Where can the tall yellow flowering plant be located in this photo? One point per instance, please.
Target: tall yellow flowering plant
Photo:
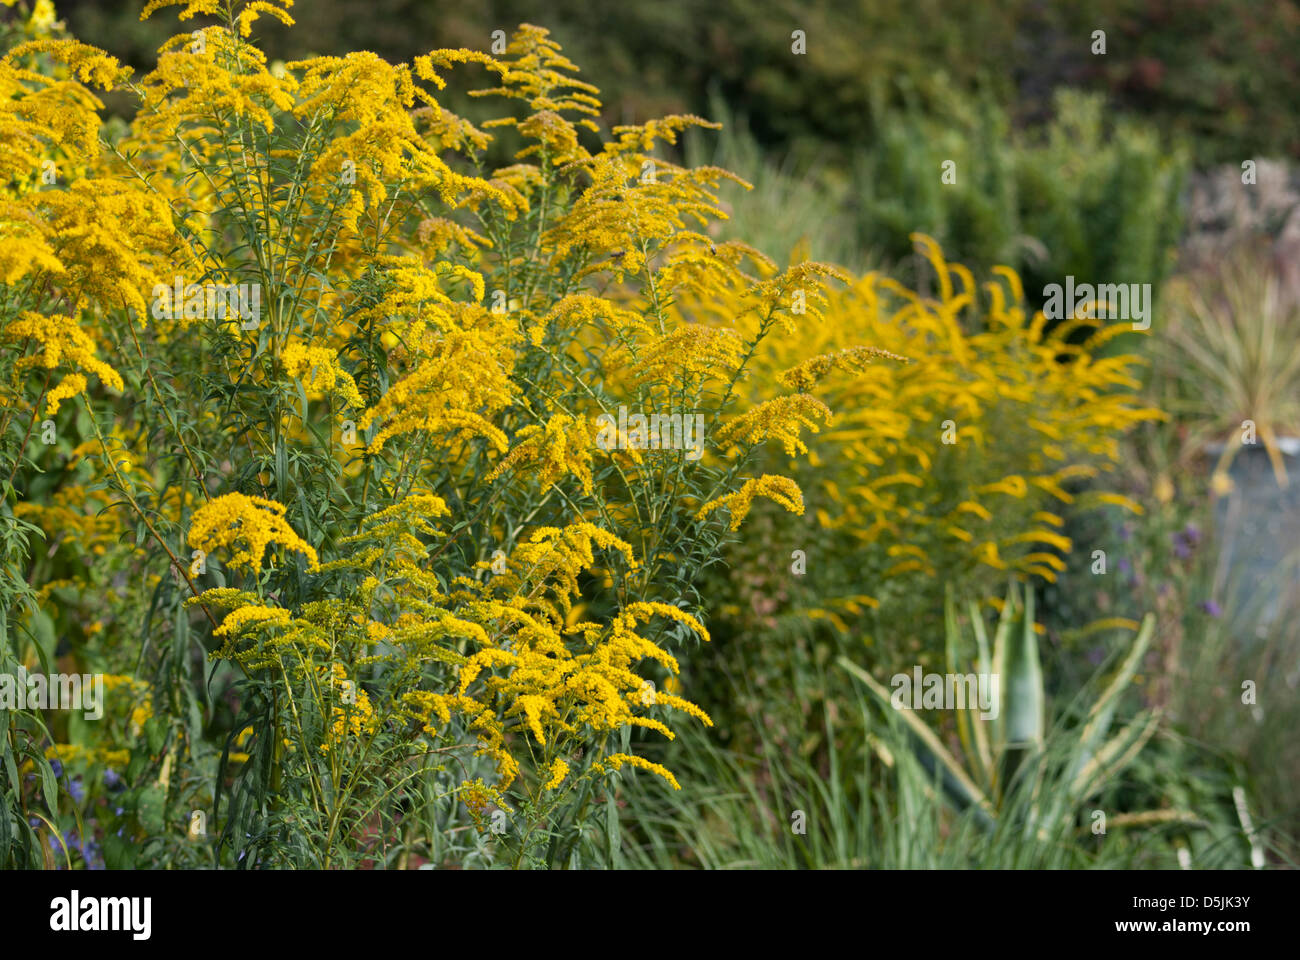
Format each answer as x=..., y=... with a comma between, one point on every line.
x=957, y=467
x=417, y=455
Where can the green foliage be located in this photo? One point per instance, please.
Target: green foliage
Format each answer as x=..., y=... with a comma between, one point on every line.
x=870, y=801
x=1087, y=198
x=996, y=749
x=1222, y=73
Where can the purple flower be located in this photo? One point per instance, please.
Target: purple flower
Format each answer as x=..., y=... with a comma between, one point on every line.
x=1124, y=566
x=57, y=767
x=76, y=789
x=1186, y=539
x=1212, y=608
x=90, y=853
x=111, y=779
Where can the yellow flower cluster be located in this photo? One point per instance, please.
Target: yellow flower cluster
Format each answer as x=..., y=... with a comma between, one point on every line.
x=778, y=419
x=527, y=662
x=352, y=718
x=557, y=556
x=556, y=687
x=806, y=375
x=616, y=760
x=454, y=392
x=781, y=490
x=372, y=99
x=321, y=366
x=47, y=120
x=558, y=680
x=559, y=770
x=563, y=446
x=61, y=340
x=960, y=450
x=102, y=240
x=73, y=753
x=246, y=526
x=478, y=796
x=237, y=621
x=691, y=353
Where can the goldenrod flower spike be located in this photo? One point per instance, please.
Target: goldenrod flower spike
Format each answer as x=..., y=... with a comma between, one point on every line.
x=782, y=490
x=246, y=526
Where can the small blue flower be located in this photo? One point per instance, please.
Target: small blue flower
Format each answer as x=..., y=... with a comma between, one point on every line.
x=1212, y=608
x=90, y=853
x=111, y=779
x=76, y=789
x=57, y=767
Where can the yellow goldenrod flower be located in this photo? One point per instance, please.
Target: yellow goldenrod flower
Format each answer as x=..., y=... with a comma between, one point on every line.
x=238, y=620
x=782, y=490
x=246, y=526
x=559, y=770
x=778, y=419
x=318, y=368
x=62, y=342
x=617, y=760
x=563, y=446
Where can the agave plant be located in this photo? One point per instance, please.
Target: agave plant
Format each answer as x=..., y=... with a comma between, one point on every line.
x=1007, y=752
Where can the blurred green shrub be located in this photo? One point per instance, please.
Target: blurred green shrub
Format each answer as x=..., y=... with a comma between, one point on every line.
x=1222, y=72
x=1085, y=198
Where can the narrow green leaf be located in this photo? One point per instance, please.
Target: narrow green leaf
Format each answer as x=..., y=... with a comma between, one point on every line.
x=612, y=836
x=1115, y=754
x=973, y=794
x=1103, y=710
